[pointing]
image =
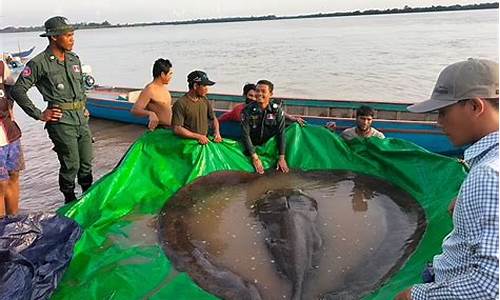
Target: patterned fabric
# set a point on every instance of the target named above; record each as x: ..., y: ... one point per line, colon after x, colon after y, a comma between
x: 468, y: 266
x: 11, y: 159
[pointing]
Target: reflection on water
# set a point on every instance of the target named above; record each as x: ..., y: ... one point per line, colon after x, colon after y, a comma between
x: 39, y: 181
x: 368, y: 228
x: 361, y: 193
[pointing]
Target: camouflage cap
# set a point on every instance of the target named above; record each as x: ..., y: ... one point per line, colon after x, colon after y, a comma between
x: 56, y: 26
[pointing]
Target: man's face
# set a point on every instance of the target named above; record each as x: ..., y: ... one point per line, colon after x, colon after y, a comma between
x: 65, y: 41
x: 453, y: 120
x: 263, y: 94
x: 167, y: 77
x: 200, y: 90
x: 364, y: 123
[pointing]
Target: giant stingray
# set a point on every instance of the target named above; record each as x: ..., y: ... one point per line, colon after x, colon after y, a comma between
x: 307, y: 235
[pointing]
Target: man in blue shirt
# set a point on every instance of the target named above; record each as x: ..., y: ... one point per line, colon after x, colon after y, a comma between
x: 466, y: 97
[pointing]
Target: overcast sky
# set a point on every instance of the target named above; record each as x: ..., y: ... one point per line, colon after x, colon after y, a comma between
x: 35, y: 12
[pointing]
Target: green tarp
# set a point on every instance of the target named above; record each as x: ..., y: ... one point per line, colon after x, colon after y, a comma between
x: 118, y: 256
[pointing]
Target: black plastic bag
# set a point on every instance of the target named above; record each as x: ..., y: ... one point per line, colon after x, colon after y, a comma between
x: 35, y: 250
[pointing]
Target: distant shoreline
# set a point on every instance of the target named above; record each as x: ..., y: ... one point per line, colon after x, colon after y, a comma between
x: 406, y: 9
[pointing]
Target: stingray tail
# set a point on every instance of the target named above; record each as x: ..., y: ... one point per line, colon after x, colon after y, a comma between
x: 297, y: 291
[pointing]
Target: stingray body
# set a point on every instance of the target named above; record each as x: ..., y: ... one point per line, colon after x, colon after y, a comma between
x: 289, y: 218
x: 242, y: 236
x: 188, y: 256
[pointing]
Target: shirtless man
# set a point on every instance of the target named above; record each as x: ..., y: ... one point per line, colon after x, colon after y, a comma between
x: 155, y: 101
x: 363, y: 128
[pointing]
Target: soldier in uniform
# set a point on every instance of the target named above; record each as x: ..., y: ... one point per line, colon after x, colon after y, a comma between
x: 260, y: 121
x: 57, y: 74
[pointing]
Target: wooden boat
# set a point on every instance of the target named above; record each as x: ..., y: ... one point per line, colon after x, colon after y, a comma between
x: 392, y: 118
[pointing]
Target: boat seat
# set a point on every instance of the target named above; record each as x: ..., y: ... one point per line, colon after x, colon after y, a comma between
x: 133, y: 96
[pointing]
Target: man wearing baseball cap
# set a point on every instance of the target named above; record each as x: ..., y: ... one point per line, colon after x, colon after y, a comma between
x: 57, y: 74
x: 192, y: 112
x: 466, y: 98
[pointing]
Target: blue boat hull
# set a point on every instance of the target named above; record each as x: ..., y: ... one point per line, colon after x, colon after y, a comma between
x: 425, y: 134
x: 23, y: 54
x: 115, y: 110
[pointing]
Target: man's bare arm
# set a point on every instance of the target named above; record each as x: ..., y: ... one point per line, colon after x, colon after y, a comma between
x: 186, y: 133
x: 139, y: 109
x: 217, y: 136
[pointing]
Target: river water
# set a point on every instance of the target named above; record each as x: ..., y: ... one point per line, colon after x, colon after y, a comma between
x: 385, y: 57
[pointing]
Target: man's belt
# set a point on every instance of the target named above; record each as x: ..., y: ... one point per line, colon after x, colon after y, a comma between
x: 78, y: 105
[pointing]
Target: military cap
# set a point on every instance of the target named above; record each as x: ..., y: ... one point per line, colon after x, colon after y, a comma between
x: 56, y: 26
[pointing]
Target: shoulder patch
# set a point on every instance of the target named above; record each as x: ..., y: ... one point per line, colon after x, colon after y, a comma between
x: 26, y: 72
x: 76, y: 68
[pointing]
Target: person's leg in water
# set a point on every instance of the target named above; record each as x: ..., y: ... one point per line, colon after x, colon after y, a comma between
x: 84, y: 174
x: 3, y: 185
x: 65, y: 140
x: 11, y: 194
x: 11, y: 162
x: 14, y: 164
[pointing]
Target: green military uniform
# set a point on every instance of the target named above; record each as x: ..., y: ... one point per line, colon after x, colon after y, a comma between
x: 259, y: 125
x: 61, y: 85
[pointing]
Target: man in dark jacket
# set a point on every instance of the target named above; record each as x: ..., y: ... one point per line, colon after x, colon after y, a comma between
x: 260, y: 121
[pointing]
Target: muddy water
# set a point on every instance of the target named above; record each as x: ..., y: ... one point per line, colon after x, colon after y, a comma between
x: 368, y: 228
x: 39, y: 181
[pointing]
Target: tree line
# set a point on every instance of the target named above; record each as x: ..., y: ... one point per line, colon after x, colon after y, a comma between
x: 406, y: 9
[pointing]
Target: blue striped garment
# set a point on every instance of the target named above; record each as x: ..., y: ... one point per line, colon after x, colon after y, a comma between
x: 468, y: 266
